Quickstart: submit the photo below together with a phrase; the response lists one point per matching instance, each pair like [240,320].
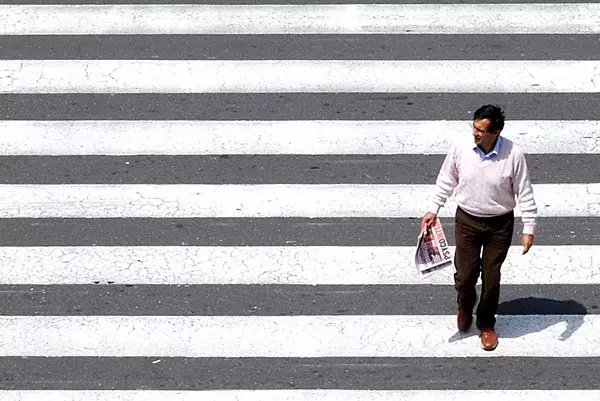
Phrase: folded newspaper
[433,252]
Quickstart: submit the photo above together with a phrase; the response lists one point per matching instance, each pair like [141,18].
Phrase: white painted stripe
[293,336]
[245,76]
[106,137]
[300,19]
[296,395]
[308,265]
[279,200]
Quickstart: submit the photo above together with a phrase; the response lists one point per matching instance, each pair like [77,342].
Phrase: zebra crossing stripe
[322,200]
[277,265]
[148,19]
[298,137]
[273,76]
[415,336]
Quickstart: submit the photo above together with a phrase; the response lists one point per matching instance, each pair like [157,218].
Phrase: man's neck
[492,146]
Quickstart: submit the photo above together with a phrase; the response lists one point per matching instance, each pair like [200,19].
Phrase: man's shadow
[550,312]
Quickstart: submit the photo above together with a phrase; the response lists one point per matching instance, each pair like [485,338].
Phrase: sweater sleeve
[446,181]
[524,192]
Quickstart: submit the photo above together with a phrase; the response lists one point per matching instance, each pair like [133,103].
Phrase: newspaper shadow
[509,323]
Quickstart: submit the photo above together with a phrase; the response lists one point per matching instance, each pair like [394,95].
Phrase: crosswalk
[219,200]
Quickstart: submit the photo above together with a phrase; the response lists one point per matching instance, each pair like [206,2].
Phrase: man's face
[481,136]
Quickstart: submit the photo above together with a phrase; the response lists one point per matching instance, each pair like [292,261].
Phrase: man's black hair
[494,114]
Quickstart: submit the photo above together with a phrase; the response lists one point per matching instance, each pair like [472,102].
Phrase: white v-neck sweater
[489,187]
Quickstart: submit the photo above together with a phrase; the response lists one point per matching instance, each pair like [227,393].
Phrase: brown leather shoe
[464,320]
[489,339]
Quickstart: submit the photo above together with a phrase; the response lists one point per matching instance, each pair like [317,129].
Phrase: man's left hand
[526,241]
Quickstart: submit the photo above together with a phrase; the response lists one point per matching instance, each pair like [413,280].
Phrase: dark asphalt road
[283,300]
[301,47]
[106,373]
[295,106]
[261,231]
[269,169]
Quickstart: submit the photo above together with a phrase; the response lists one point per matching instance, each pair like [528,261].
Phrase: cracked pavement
[197,76]
[326,200]
[319,265]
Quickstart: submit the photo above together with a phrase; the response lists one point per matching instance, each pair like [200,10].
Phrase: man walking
[486,174]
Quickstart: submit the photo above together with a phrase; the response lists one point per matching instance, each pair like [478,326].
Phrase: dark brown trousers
[482,244]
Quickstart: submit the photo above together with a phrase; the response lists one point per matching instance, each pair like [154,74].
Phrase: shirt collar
[492,153]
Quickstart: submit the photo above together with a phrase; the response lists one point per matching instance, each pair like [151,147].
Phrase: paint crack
[596,138]
[595,75]
[9,76]
[592,208]
[274,273]
[192,266]
[297,267]
[154,203]
[243,261]
[111,76]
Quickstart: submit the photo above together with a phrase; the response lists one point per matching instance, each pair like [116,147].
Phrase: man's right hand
[428,220]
